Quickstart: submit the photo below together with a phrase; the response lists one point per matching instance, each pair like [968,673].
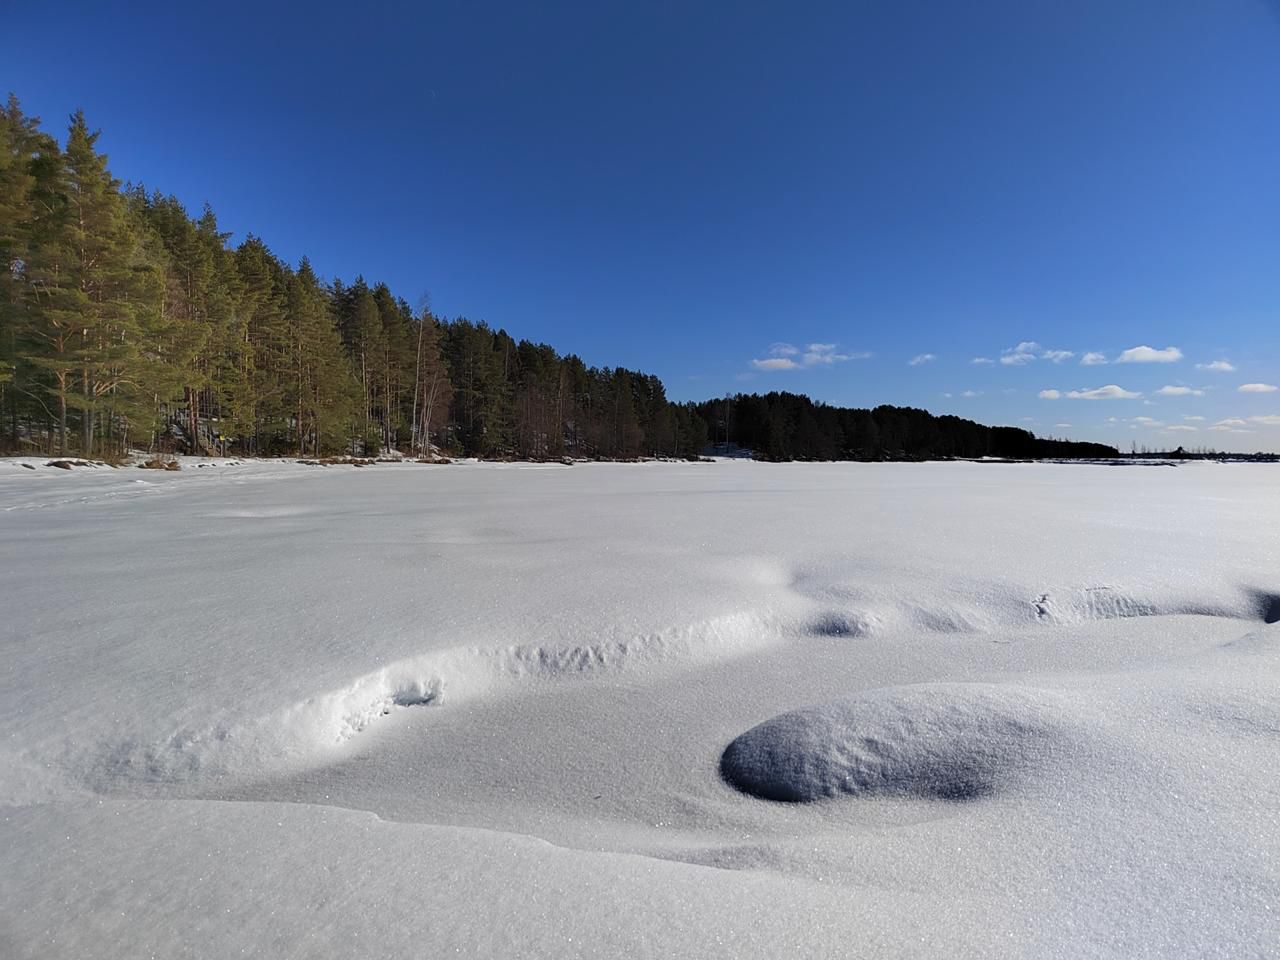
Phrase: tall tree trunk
[62,413]
[193,418]
[86,417]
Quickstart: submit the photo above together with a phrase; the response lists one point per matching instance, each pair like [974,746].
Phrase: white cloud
[971,393]
[1062,426]
[982,360]
[1145,354]
[1023,353]
[1258,388]
[920,358]
[1050,394]
[947,395]
[783,356]
[1171,391]
[1093,359]
[1109,392]
[1147,422]
[817,354]
[1218,366]
[1269,420]
[775,363]
[1231,422]
[1180,428]
[1029,351]
[1185,417]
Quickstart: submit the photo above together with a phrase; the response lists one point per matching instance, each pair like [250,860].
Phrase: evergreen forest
[126,323]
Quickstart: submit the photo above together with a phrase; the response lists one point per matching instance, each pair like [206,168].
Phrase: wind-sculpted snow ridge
[300,735]
[718,639]
[999,607]
[946,741]
[1111,603]
[314,731]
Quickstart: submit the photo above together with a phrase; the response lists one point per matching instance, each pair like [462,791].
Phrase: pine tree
[432,390]
[268,359]
[83,297]
[323,387]
[19,139]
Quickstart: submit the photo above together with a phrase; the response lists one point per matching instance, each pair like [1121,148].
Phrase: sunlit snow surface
[726,709]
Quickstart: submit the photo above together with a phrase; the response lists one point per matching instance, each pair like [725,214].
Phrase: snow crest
[321,728]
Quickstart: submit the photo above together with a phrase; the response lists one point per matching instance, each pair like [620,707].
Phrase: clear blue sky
[703,190]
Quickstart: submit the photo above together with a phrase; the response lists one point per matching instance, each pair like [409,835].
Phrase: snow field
[1020,711]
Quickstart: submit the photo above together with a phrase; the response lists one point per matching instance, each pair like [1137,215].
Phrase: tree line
[127,323]
[788,426]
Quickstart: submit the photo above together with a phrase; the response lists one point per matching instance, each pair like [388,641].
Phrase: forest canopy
[127,323]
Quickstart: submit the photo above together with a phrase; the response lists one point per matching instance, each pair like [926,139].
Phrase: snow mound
[948,741]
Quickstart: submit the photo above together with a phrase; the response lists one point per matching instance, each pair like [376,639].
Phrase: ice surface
[281,710]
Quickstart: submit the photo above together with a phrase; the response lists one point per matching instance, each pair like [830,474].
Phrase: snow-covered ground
[719,709]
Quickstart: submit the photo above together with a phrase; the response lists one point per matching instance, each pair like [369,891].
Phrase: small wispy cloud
[1050,395]
[787,356]
[1145,354]
[1218,366]
[1024,353]
[1147,422]
[1028,351]
[981,360]
[820,354]
[971,393]
[920,358]
[1231,425]
[1062,426]
[1269,420]
[775,363]
[1110,392]
[1092,359]
[1185,417]
[1258,388]
[1181,428]
[1172,391]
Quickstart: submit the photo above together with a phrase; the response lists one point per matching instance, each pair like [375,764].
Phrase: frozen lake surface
[716,709]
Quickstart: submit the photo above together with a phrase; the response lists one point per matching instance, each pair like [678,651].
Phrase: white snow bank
[935,741]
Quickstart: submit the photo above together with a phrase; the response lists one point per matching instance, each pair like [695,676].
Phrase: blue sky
[750,196]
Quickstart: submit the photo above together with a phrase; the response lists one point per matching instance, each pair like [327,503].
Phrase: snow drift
[934,741]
